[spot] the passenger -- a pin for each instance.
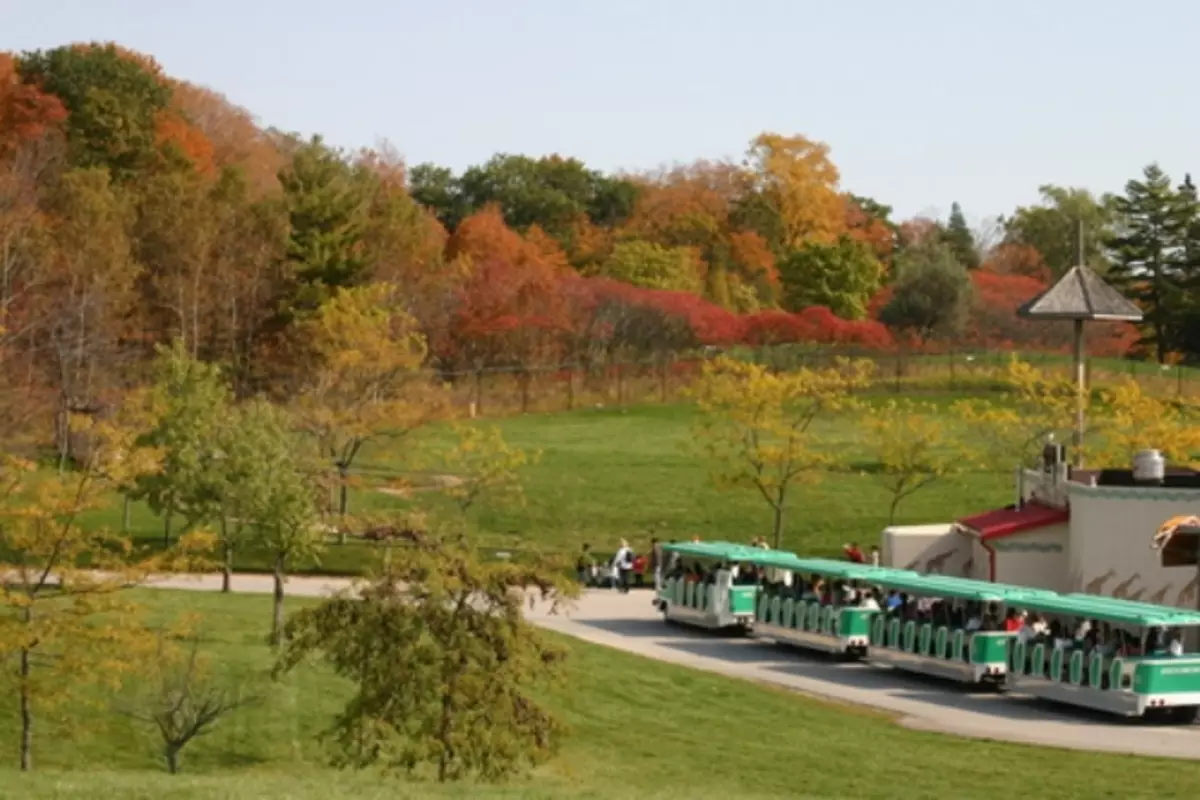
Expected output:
(1039, 627)
(673, 563)
(1082, 631)
(874, 556)
(1013, 621)
(623, 563)
(853, 553)
(974, 621)
(895, 602)
(869, 601)
(1175, 646)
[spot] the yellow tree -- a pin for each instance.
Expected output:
(64, 619)
(485, 465)
(1134, 420)
(1011, 430)
(756, 426)
(367, 380)
(797, 175)
(912, 448)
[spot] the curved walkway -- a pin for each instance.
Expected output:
(630, 623)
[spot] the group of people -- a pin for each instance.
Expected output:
(627, 568)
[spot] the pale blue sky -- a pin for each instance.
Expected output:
(923, 102)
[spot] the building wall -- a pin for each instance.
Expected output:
(926, 548)
(1109, 550)
(1036, 558)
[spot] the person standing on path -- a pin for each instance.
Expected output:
(623, 561)
(656, 563)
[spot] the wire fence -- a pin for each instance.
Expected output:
(499, 391)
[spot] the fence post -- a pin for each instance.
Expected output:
(570, 387)
(662, 377)
(478, 390)
(524, 377)
(620, 384)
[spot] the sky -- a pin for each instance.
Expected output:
(923, 102)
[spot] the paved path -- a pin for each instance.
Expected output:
(630, 623)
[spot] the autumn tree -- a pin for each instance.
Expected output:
(365, 381)
(179, 698)
(65, 618)
(1011, 429)
(89, 288)
(446, 670)
(653, 266)
(801, 181)
(114, 99)
(841, 276)
(755, 425)
(1131, 419)
(484, 466)
(912, 448)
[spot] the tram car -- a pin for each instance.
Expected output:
(1116, 656)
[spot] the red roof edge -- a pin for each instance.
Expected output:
(1011, 520)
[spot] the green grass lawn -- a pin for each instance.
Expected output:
(626, 472)
(638, 728)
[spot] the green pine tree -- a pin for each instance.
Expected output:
(1150, 254)
(958, 237)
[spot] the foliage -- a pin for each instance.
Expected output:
(801, 181)
(755, 424)
(113, 101)
(932, 293)
(365, 381)
(64, 621)
(958, 237)
(841, 276)
(483, 466)
(1038, 406)
(1051, 228)
(186, 412)
(652, 266)
(444, 666)
(182, 703)
(1151, 260)
(913, 448)
(326, 206)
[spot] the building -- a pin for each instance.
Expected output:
(1071, 530)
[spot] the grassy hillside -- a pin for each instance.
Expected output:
(612, 473)
(638, 729)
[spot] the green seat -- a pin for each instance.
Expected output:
(1019, 664)
(760, 613)
(959, 644)
(801, 615)
(910, 636)
(1038, 668)
(1115, 670)
(776, 606)
(894, 634)
(926, 638)
(1096, 671)
(813, 623)
(789, 610)
(877, 626)
(1056, 664)
(1075, 668)
(827, 620)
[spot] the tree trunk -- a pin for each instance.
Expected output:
(167, 524)
(172, 754)
(777, 531)
(227, 568)
(343, 491)
(125, 508)
(277, 616)
(892, 510)
(26, 703)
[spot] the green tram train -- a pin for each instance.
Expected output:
(946, 627)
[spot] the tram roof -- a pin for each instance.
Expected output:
(1112, 609)
(722, 551)
(960, 588)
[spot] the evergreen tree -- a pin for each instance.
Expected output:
(326, 202)
(1187, 337)
(932, 294)
(1150, 254)
(958, 237)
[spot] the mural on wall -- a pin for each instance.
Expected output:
(1096, 585)
(933, 564)
(1187, 595)
(968, 565)
(1121, 590)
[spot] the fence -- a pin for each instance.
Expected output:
(502, 391)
